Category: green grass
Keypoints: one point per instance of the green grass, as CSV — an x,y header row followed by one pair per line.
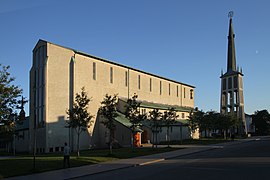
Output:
x,y
23,165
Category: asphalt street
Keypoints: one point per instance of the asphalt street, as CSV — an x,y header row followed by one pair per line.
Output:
x,y
248,160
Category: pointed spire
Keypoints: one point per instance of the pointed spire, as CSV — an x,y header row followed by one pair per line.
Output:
x,y
231,59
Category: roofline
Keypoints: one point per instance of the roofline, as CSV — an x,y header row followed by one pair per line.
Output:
x,y
114,63
227,74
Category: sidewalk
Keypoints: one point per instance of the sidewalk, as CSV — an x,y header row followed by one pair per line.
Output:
x,y
122,163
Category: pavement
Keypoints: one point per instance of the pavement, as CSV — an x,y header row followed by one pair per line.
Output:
x,y
76,172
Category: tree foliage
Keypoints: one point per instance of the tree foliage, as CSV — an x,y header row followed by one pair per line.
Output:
x,y
213,121
133,114
79,117
155,119
169,118
195,120
261,120
109,112
9,103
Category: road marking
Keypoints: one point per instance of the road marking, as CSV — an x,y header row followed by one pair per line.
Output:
x,y
151,162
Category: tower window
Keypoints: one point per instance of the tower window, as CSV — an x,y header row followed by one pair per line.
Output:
x,y
230,83
224,84
177,93
111,74
184,92
235,82
235,97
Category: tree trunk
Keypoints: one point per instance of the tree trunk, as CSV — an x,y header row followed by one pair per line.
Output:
x,y
156,138
167,137
78,144
111,141
153,138
132,140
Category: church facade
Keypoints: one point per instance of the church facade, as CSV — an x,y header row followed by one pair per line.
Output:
x,y
58,73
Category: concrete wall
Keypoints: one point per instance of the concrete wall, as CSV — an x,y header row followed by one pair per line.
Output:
x,y
67,71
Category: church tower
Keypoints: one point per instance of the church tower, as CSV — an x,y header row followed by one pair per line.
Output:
x,y
232,98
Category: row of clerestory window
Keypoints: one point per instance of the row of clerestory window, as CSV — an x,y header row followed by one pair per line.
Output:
x,y
139,83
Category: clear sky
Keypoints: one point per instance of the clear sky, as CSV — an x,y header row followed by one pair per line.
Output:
x,y
184,40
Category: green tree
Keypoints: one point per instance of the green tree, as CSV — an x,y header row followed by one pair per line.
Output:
x,y
134,115
9,102
224,123
155,121
79,117
109,111
195,120
261,120
169,117
208,122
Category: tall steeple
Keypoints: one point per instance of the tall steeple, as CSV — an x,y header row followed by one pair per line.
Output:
x,y
231,59
232,97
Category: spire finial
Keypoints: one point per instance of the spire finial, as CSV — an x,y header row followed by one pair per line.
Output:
x,y
230,14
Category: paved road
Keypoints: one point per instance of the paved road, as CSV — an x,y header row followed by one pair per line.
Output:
x,y
249,160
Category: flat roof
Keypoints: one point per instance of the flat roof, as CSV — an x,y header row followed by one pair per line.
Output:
x,y
114,63
153,105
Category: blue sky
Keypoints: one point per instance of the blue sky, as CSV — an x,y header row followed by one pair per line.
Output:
x,y
184,40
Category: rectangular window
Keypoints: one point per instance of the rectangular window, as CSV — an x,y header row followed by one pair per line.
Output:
x,y
184,92
191,94
150,85
235,97
169,89
177,93
224,82
139,82
235,82
160,87
111,74
230,83
94,71
126,78
56,149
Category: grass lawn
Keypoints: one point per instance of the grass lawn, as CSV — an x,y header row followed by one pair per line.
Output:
x,y
23,164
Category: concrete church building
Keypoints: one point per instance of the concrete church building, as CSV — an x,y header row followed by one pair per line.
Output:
x,y
58,73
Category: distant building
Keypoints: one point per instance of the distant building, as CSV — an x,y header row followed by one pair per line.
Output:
x,y
58,73
232,98
21,138
250,125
